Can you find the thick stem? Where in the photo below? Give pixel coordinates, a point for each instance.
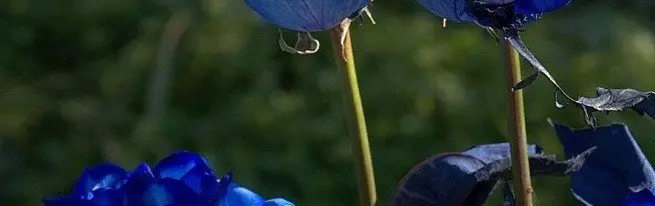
(516, 128)
(354, 116)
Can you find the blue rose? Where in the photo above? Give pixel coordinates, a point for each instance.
(497, 14)
(183, 178)
(468, 177)
(503, 19)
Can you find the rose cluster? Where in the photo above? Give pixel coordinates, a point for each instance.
(183, 178)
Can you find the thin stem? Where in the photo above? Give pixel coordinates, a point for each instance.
(354, 116)
(158, 87)
(516, 128)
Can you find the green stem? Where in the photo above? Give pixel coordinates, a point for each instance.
(354, 116)
(516, 129)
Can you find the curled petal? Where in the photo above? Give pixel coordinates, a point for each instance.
(441, 180)
(104, 176)
(467, 178)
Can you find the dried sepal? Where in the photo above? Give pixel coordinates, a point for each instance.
(305, 44)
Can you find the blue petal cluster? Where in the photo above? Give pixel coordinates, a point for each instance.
(181, 179)
(618, 170)
(497, 14)
(307, 15)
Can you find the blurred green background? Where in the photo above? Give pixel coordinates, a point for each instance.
(83, 82)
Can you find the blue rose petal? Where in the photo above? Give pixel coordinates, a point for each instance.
(454, 10)
(146, 188)
(307, 15)
(617, 167)
(107, 197)
(140, 181)
(223, 185)
(539, 6)
(142, 171)
(440, 180)
(164, 192)
(278, 202)
(237, 195)
(97, 186)
(467, 178)
(644, 197)
(193, 170)
(104, 176)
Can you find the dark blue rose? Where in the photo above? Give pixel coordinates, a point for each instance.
(503, 19)
(497, 14)
(183, 178)
(455, 178)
